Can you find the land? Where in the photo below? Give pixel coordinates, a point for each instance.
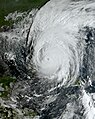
(8, 6)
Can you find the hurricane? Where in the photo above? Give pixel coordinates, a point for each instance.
(53, 51)
(58, 40)
(62, 37)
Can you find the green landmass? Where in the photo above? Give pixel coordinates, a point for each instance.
(5, 82)
(8, 6)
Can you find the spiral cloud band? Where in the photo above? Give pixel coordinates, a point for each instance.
(58, 44)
